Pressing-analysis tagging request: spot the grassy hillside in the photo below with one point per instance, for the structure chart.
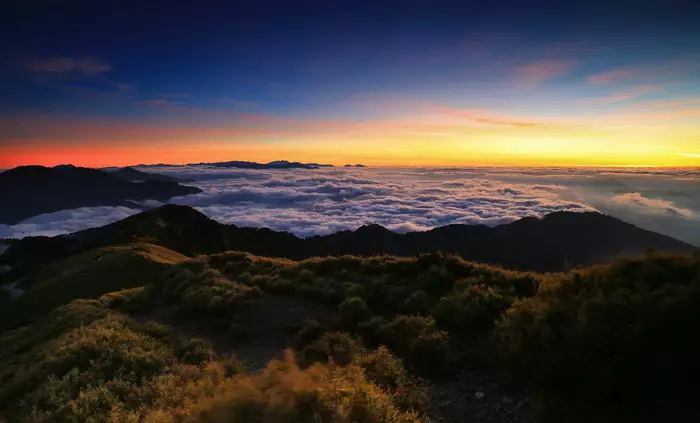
(87, 275)
(612, 343)
(606, 343)
(85, 362)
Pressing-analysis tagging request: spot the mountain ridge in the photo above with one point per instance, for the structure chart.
(35, 190)
(555, 242)
(242, 164)
(130, 174)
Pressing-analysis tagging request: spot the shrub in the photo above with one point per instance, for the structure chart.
(355, 290)
(284, 393)
(382, 368)
(310, 331)
(352, 311)
(415, 338)
(192, 351)
(194, 289)
(232, 365)
(418, 303)
(474, 308)
(84, 363)
(337, 347)
(612, 342)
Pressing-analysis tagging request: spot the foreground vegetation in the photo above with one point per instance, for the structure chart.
(86, 362)
(613, 343)
(607, 343)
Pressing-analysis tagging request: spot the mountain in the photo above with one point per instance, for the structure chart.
(132, 175)
(32, 190)
(118, 321)
(239, 164)
(356, 165)
(277, 164)
(555, 242)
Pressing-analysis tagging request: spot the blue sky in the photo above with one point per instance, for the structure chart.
(262, 80)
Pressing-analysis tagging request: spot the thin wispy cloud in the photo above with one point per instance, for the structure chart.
(157, 102)
(684, 68)
(60, 64)
(625, 95)
(534, 74)
(615, 75)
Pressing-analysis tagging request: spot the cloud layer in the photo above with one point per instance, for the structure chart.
(321, 201)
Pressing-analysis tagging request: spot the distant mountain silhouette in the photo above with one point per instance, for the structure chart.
(278, 164)
(555, 242)
(239, 164)
(28, 191)
(355, 165)
(133, 175)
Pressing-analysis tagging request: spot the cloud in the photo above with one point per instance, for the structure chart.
(627, 94)
(157, 102)
(615, 75)
(672, 70)
(66, 221)
(322, 201)
(648, 205)
(533, 74)
(59, 64)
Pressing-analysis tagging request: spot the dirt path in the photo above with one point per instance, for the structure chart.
(472, 394)
(271, 326)
(475, 392)
(268, 329)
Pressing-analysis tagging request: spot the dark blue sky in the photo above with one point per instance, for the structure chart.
(207, 64)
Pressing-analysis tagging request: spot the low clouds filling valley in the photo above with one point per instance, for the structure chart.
(321, 201)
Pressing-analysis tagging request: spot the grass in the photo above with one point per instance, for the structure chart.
(85, 362)
(87, 275)
(605, 343)
(612, 343)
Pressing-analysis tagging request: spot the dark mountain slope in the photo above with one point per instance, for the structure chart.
(555, 242)
(132, 175)
(31, 190)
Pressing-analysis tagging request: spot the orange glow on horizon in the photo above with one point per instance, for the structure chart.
(535, 156)
(427, 135)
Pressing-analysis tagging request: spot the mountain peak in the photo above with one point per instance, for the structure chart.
(372, 228)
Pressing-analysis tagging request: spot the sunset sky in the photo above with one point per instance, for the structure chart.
(100, 83)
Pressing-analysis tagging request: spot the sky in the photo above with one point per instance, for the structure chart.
(384, 83)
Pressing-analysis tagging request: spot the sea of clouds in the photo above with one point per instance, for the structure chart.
(321, 201)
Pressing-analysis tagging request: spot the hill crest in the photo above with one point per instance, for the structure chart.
(554, 242)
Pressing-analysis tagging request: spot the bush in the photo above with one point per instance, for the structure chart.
(352, 311)
(475, 308)
(83, 363)
(232, 365)
(418, 303)
(415, 338)
(355, 290)
(612, 342)
(192, 289)
(284, 393)
(310, 331)
(382, 368)
(337, 347)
